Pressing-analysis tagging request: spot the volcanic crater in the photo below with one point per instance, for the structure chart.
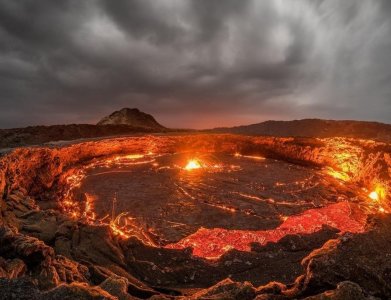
(198, 215)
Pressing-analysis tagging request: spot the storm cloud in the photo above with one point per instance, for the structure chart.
(194, 63)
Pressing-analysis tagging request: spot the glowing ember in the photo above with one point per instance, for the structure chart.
(212, 243)
(133, 156)
(378, 194)
(256, 157)
(381, 191)
(374, 196)
(338, 174)
(193, 164)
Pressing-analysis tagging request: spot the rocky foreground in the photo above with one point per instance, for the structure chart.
(47, 254)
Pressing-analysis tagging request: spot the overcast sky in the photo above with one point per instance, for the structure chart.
(199, 64)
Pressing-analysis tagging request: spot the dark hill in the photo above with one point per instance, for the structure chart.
(122, 122)
(34, 135)
(131, 117)
(315, 128)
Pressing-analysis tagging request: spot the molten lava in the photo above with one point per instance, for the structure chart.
(374, 196)
(338, 174)
(130, 156)
(378, 197)
(380, 191)
(193, 164)
(256, 157)
(213, 243)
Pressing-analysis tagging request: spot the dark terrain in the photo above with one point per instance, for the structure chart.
(123, 122)
(131, 117)
(334, 244)
(35, 135)
(315, 128)
(263, 217)
(132, 121)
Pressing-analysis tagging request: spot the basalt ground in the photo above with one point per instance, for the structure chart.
(258, 217)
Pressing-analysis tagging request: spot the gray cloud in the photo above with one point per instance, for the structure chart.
(194, 63)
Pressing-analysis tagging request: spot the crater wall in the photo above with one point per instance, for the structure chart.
(69, 258)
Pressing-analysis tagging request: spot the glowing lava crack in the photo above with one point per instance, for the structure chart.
(177, 215)
(231, 202)
(212, 243)
(193, 164)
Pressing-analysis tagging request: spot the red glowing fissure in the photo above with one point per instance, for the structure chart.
(212, 243)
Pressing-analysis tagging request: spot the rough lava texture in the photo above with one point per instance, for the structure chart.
(45, 254)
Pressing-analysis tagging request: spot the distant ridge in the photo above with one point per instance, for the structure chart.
(132, 117)
(123, 122)
(132, 121)
(315, 128)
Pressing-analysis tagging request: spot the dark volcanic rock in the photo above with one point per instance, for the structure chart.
(227, 289)
(124, 122)
(345, 290)
(33, 251)
(363, 258)
(20, 253)
(12, 268)
(132, 117)
(25, 289)
(117, 286)
(20, 289)
(46, 255)
(350, 267)
(77, 291)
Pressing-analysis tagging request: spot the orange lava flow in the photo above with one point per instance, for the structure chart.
(212, 243)
(255, 157)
